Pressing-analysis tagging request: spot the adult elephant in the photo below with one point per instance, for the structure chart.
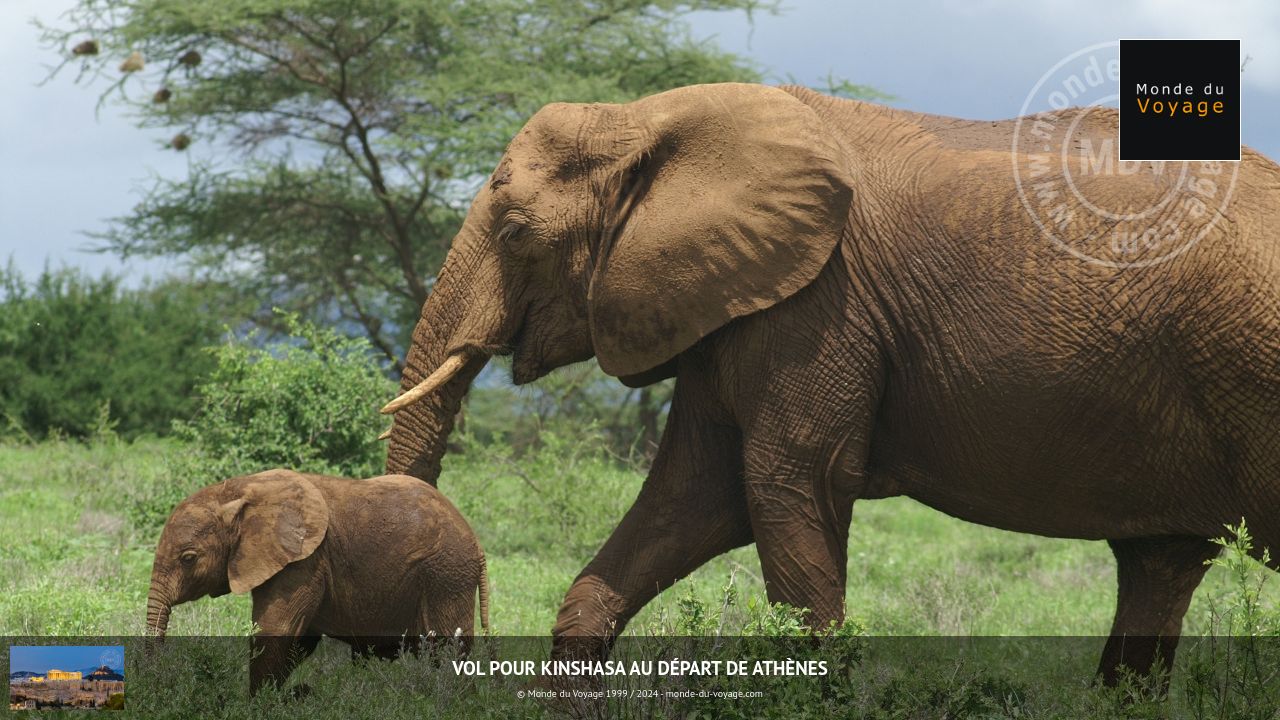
(855, 304)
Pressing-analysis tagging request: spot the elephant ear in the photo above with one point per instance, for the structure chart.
(276, 517)
(733, 200)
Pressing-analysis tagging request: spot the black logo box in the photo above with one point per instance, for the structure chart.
(1179, 71)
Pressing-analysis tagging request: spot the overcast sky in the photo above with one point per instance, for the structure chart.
(63, 172)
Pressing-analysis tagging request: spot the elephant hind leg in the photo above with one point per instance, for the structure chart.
(450, 615)
(1156, 578)
(802, 540)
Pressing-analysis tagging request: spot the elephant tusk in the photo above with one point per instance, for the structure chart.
(447, 370)
(386, 433)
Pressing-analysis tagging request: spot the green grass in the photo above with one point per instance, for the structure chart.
(73, 563)
(75, 558)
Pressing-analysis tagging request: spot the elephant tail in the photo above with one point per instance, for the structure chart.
(483, 592)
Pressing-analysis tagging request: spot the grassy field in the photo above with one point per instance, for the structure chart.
(73, 561)
(77, 528)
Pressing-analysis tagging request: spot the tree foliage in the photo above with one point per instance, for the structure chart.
(73, 347)
(357, 129)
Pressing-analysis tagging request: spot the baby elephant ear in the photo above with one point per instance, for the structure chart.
(276, 517)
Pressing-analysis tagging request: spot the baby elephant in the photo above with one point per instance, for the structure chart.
(366, 561)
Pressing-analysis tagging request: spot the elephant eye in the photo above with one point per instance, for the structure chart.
(188, 557)
(509, 233)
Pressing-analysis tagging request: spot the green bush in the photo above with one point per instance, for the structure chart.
(309, 403)
(71, 345)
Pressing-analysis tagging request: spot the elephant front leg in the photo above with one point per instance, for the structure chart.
(275, 657)
(690, 509)
(283, 608)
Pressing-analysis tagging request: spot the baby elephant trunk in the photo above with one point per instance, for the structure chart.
(157, 614)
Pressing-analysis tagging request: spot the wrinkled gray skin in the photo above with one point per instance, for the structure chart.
(855, 304)
(366, 561)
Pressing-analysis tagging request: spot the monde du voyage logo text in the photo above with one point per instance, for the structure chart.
(1179, 100)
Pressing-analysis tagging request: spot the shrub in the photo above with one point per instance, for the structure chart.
(309, 403)
(71, 345)
(1233, 668)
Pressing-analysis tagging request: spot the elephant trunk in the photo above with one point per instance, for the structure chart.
(451, 344)
(157, 614)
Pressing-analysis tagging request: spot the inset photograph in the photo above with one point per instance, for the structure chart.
(87, 677)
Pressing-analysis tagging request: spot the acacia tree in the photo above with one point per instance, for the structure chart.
(336, 142)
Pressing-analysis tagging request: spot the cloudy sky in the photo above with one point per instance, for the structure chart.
(63, 172)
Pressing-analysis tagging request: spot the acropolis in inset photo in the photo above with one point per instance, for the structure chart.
(38, 680)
